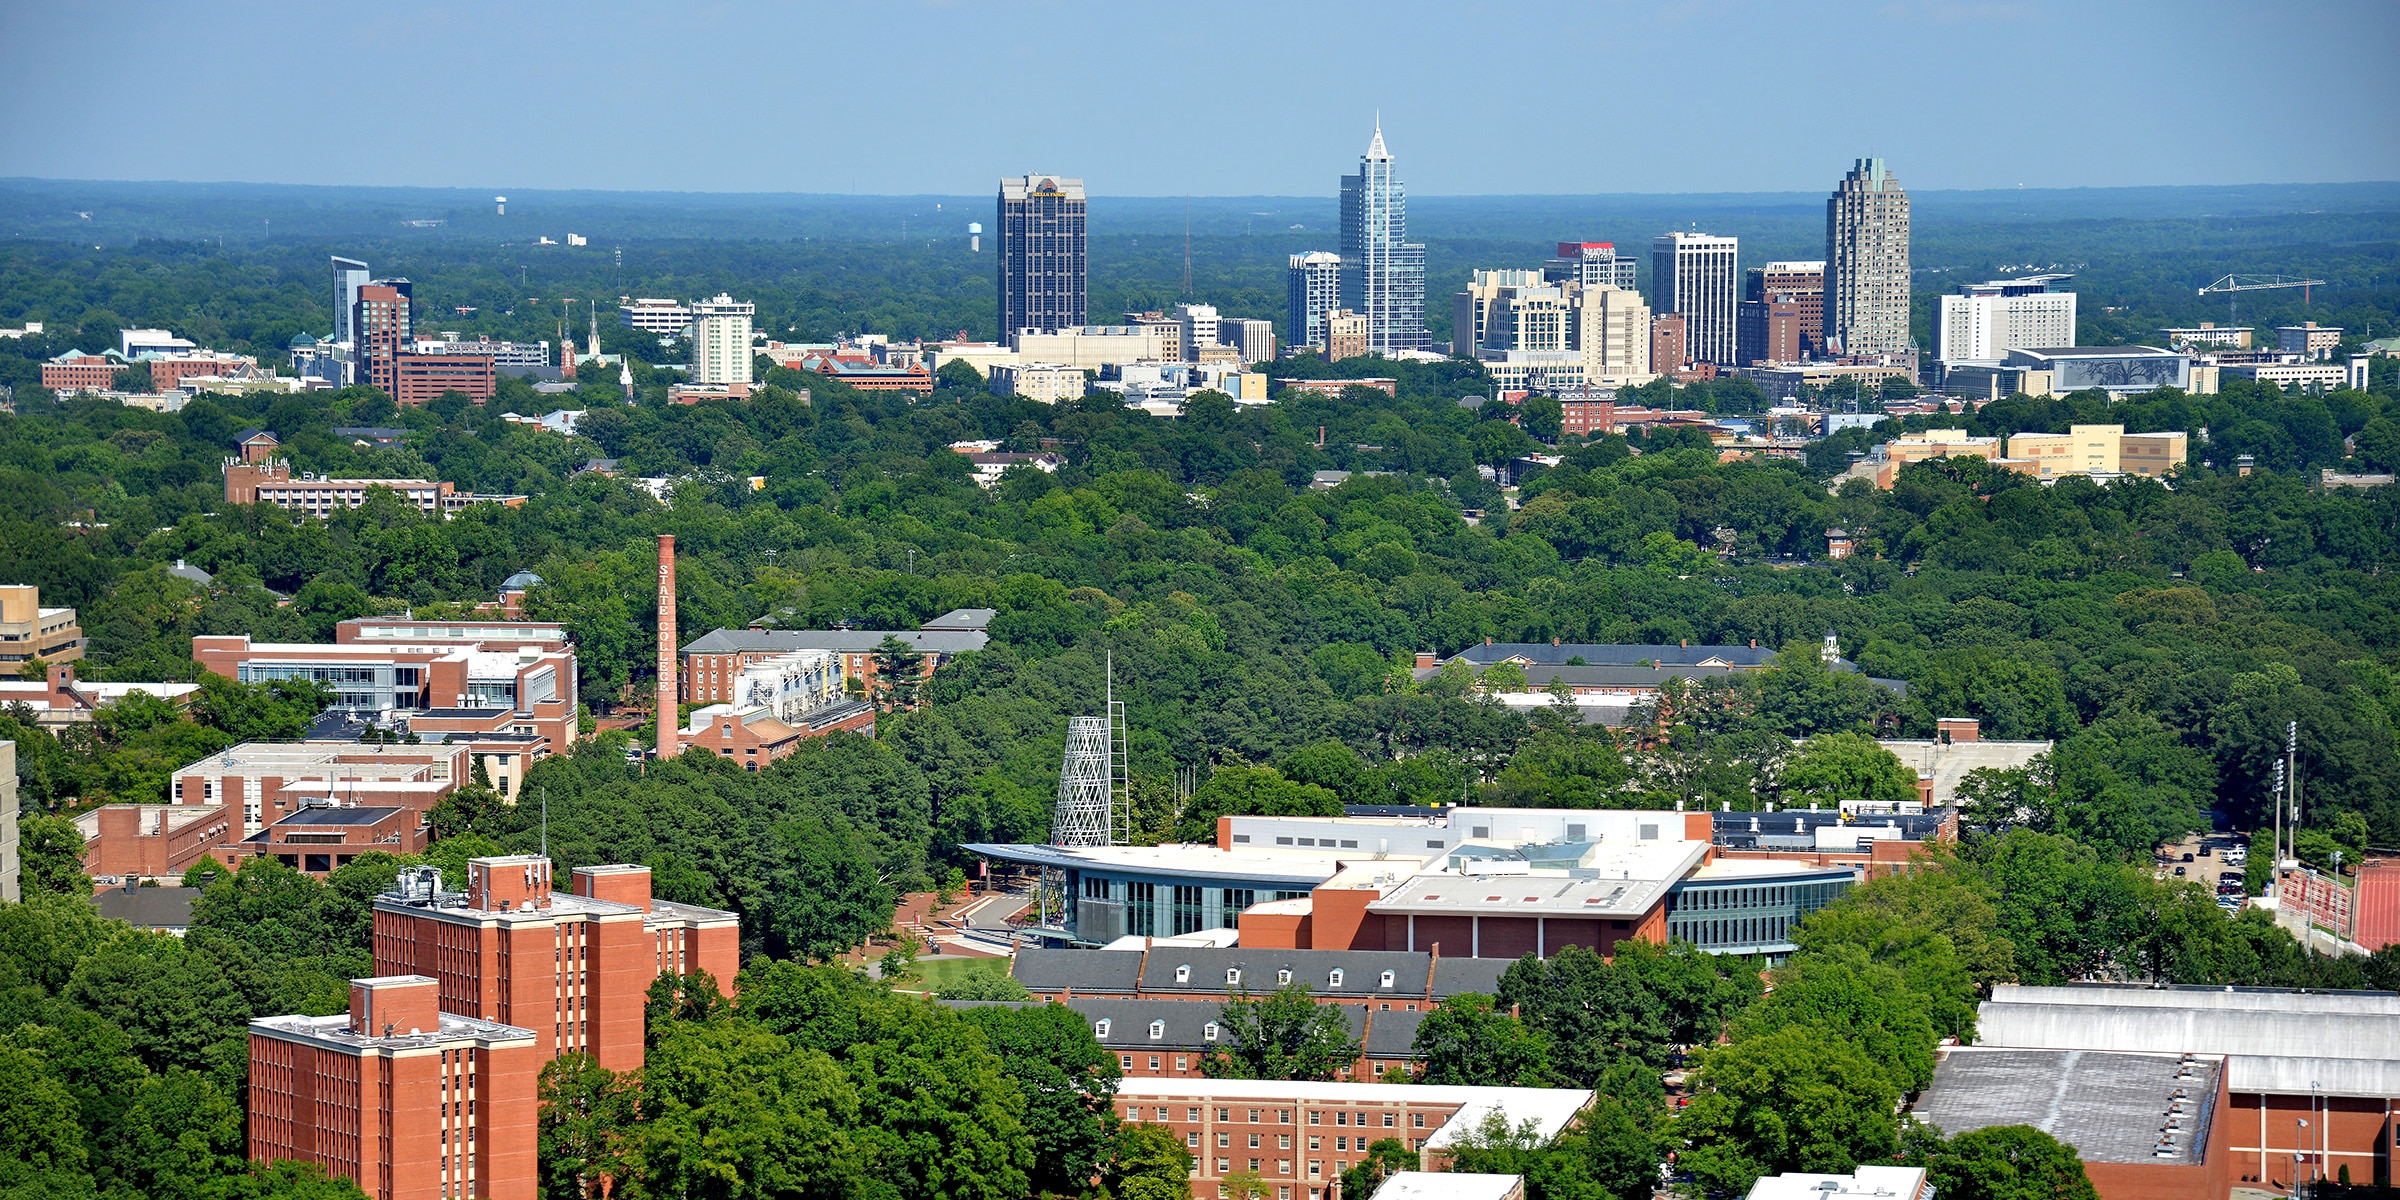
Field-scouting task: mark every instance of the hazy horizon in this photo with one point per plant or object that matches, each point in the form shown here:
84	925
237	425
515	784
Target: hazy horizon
944	97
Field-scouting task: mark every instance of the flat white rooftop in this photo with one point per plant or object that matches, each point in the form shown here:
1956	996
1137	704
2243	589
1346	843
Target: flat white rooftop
1449	1185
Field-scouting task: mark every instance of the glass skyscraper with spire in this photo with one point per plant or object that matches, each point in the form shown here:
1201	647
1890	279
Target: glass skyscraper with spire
1383	273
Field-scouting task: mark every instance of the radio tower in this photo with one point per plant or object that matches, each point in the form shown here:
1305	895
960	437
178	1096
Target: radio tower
1095	793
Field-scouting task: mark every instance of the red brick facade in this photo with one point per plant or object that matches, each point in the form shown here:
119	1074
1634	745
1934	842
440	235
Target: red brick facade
410	1104
422	378
575	970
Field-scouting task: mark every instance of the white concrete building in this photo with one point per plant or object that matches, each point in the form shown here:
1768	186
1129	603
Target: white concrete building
1699	277
721	340
1987	320
667	318
1315	283
1252	339
1198	325
1048	383
1091	347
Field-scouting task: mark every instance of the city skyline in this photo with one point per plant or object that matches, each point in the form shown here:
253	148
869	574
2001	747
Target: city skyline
468	72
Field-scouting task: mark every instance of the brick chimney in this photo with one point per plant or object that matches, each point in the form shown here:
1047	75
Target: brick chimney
668	719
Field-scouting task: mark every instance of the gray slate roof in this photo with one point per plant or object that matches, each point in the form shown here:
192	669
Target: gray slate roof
1183	1025
854	641
1261	971
1602	654
147	908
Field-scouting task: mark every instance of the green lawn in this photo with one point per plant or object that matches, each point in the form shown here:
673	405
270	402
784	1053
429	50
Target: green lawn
934	972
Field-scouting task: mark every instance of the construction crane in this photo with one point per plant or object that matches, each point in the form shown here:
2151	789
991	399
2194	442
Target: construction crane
2232	284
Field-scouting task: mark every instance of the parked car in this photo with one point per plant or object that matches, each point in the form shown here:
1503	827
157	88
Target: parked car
2179	870
2206	851
2187	856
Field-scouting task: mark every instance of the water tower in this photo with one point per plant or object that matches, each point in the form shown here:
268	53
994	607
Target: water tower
975	237
501	203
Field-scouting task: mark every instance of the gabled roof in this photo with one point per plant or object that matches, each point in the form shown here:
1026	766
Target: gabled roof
856	641
147	908
1089	970
1599	654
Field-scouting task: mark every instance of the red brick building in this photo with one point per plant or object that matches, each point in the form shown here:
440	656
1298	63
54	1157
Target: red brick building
755	737
411	1102
381	325
151	841
422	378
508	688
322	838
1667	341
575	969
75	371
168	371
1299	1137
713	662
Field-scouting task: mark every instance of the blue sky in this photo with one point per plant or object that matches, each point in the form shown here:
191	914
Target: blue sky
1219	98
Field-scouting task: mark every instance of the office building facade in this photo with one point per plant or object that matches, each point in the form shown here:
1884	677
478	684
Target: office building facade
1532	334
379	323
349	275
1697	276
1315	284
1196	326
1866	262
1592	264
1798	283
721	340
1383	273
1251	339
1042	264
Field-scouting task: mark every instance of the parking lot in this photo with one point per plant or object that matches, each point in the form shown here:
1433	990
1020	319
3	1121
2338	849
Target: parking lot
2216	860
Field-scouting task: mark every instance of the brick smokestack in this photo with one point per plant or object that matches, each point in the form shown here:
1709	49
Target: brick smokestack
668	721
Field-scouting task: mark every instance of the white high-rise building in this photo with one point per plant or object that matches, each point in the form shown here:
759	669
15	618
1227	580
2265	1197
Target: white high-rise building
1866	263
1199	325
1251	338
1698	276
721	340
1316	289
1987	320
1533	334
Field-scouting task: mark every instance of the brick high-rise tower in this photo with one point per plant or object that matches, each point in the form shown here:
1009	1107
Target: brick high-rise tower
426	1088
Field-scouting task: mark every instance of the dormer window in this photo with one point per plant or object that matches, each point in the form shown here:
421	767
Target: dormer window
1334	978
1283	976
1389	978
1100	1029
1183	972
1158	1029
1233	976
1208	1032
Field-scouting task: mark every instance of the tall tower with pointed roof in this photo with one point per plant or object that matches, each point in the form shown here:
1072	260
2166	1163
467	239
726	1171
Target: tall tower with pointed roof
1383	273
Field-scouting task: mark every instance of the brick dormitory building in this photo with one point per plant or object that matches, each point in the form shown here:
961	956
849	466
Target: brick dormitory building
424	1089
257	476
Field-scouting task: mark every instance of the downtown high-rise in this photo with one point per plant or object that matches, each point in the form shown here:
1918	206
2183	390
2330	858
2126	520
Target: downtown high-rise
1383	273
1866	263
1698	276
1043	269
1315	284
